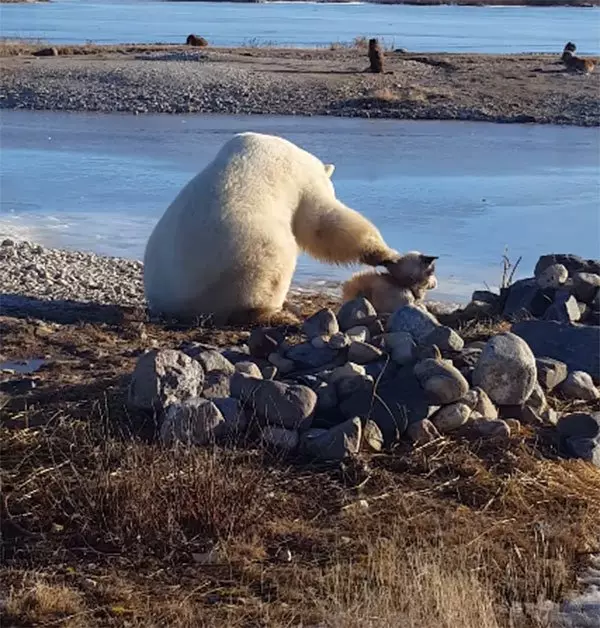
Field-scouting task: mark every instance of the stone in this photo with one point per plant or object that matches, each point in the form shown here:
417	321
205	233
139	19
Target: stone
579	425
363	353
585	449
422	432
46	52
323	323
359	333
553	276
269	371
319	342
336	443
163	376
284	405
426	352
327	398
210	359
485	296
237	354
280	438
263	341
573	264
537	400
563	311
399	401
242	386
284	365
578	346
414	320
468	357
340	340
471	398
249	368
307	356
586	286
445	338
480	309
550	372
372	436
356	312
506	369
216	384
525	296
524	413
401	346
443	383
451	417
233	414
579	386
491	428
194	421
348	370
348	386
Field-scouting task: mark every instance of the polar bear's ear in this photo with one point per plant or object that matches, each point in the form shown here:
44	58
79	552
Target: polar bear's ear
329	168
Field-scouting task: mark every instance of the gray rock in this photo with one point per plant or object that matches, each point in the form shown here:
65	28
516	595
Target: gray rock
451	417
585	449
340	341
237	354
280	438
537	400
443	383
372	436
359	333
319	342
553	276
327	398
586	286
579	386
243	386
414	320
485	296
216	384
269	371
336	443
563	311
401	346
506	369
422	432
525	296
284	405
399	401
348	386
263	341
234	415
284	365
164	376
248	368
580	425
194	421
307	356
573	264
346	371
356	312
491	428
211	360
550	372
363	353
467	357
577	346
445	338
323	323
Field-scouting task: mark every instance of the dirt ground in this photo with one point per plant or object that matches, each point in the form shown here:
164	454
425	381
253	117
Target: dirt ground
102	527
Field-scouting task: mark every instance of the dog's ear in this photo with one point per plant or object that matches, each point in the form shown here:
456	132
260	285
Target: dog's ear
428	259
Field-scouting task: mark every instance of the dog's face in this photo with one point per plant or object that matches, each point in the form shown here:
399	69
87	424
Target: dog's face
414	269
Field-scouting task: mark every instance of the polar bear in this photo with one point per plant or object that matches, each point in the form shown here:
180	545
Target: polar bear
227	246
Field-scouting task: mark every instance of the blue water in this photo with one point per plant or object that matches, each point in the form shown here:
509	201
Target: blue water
460	190
438	28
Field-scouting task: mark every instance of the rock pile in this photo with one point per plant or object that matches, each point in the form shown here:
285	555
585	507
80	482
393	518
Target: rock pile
355	380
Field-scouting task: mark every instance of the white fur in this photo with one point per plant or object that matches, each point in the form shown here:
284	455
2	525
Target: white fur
229	241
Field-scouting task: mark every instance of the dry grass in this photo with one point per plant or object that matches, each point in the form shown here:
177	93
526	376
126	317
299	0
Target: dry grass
103	527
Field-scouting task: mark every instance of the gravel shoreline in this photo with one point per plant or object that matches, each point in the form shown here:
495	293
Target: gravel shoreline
175	79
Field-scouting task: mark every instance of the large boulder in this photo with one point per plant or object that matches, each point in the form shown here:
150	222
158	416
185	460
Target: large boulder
416	321
586	286
442	382
163	376
506	370
578	346
525	297
192	422
336	443
573	263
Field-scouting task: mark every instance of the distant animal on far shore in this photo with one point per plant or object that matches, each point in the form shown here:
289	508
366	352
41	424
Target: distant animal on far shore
195	40
574	63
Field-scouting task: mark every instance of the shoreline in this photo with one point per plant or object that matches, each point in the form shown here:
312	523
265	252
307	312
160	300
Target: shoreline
138	79
576	4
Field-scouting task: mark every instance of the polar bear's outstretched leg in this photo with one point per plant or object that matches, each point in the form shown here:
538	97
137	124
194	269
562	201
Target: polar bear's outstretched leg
340	235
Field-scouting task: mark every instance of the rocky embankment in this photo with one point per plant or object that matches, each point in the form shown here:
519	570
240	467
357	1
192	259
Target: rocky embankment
175	79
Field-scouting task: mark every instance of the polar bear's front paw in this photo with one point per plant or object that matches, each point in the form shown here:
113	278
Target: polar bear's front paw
379	258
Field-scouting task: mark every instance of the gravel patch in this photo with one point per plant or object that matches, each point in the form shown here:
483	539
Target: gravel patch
526	88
